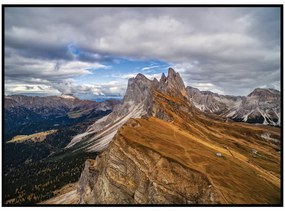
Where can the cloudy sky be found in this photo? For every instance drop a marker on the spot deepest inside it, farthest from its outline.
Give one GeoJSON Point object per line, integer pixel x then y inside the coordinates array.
{"type": "Point", "coordinates": [93, 51]}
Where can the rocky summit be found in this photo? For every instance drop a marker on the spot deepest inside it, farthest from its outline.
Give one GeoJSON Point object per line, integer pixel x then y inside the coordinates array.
{"type": "Point", "coordinates": [138, 101]}
{"type": "Point", "coordinates": [157, 147]}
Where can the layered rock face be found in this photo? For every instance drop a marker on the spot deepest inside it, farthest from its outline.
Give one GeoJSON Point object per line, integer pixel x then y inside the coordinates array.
{"type": "Point", "coordinates": [261, 106]}
{"type": "Point", "coordinates": [127, 174]}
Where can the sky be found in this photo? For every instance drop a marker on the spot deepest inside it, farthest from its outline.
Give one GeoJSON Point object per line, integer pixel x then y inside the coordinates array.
{"type": "Point", "coordinates": [91, 52]}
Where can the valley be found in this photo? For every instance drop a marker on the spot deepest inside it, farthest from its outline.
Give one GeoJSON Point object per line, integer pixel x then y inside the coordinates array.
{"type": "Point", "coordinates": [35, 163]}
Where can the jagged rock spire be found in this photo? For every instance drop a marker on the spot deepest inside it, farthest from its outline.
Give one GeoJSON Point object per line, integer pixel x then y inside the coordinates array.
{"type": "Point", "coordinates": [163, 78]}
{"type": "Point", "coordinates": [172, 84]}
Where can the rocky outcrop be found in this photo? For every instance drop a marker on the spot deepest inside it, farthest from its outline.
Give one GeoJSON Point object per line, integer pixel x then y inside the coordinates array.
{"type": "Point", "coordinates": [172, 84]}
{"type": "Point", "coordinates": [126, 174]}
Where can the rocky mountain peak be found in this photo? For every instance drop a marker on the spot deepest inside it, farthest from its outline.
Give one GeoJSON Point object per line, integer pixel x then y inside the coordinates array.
{"type": "Point", "coordinates": [162, 79]}
{"type": "Point", "coordinates": [140, 76]}
{"type": "Point", "coordinates": [155, 80]}
{"type": "Point", "coordinates": [260, 106]}
{"type": "Point", "coordinates": [138, 101]}
{"type": "Point", "coordinates": [138, 88]}
{"type": "Point", "coordinates": [171, 72]}
{"type": "Point", "coordinates": [192, 89]}
{"type": "Point", "coordinates": [172, 84]}
{"type": "Point", "coordinates": [155, 83]}
{"type": "Point", "coordinates": [263, 92]}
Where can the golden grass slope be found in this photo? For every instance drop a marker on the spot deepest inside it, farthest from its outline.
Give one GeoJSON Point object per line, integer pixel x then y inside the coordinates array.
{"type": "Point", "coordinates": [36, 137]}
{"type": "Point", "coordinates": [248, 172]}
{"type": "Point", "coordinates": [237, 175]}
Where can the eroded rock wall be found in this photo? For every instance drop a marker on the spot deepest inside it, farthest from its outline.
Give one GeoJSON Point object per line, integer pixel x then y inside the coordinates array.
{"type": "Point", "coordinates": [130, 174]}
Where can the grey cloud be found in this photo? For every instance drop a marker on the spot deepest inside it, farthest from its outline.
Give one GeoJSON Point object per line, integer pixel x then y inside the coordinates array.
{"type": "Point", "coordinates": [235, 49]}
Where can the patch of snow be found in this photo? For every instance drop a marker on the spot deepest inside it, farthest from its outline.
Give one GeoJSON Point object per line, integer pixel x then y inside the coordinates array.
{"type": "Point", "coordinates": [67, 97]}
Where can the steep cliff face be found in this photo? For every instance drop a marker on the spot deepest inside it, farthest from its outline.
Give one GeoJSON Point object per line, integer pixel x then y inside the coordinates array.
{"type": "Point", "coordinates": [133, 174]}
{"type": "Point", "coordinates": [151, 161]}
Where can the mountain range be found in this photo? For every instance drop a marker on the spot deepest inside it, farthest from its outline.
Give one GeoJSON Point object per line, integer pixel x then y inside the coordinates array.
{"type": "Point", "coordinates": [162, 145]}
{"type": "Point", "coordinates": [27, 114]}
{"type": "Point", "coordinates": [260, 106]}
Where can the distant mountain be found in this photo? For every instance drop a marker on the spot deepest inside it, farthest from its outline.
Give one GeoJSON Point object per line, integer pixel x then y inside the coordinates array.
{"type": "Point", "coordinates": [260, 106]}
{"type": "Point", "coordinates": [26, 114]}
{"type": "Point", "coordinates": [52, 105]}
{"type": "Point", "coordinates": [158, 148]}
